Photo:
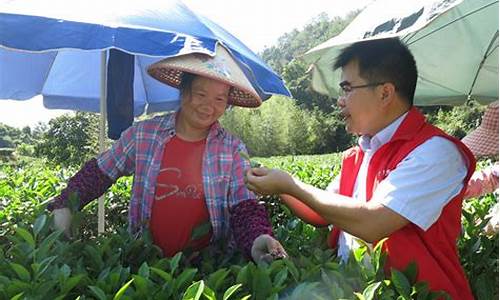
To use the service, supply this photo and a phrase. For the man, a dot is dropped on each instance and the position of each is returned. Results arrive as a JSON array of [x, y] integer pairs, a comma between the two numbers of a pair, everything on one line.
[[405, 179]]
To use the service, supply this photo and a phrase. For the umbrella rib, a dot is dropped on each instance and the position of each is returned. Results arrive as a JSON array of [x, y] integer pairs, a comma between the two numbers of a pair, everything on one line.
[[408, 37], [485, 56], [201, 21], [438, 84], [453, 21], [47, 73]]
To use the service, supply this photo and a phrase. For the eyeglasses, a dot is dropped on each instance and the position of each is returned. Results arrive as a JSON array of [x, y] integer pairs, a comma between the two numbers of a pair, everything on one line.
[[346, 88]]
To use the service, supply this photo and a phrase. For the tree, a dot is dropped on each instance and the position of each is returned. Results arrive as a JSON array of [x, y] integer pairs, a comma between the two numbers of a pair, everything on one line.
[[70, 140], [10, 137], [281, 127], [285, 58], [458, 120]]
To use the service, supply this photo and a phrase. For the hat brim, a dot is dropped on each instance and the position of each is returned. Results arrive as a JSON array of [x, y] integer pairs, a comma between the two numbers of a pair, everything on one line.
[[222, 68], [482, 142]]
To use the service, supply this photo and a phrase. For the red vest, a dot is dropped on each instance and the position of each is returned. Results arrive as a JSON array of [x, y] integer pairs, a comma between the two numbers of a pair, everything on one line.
[[434, 250]]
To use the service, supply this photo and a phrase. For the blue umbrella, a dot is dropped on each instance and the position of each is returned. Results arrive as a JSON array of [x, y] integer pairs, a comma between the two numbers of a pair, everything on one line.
[[65, 51], [81, 56]]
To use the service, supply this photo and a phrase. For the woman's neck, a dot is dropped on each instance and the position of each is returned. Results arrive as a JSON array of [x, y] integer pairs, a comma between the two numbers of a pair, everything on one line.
[[188, 132]]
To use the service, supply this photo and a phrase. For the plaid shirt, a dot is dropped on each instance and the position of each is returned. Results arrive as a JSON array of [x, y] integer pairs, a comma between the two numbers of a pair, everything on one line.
[[139, 151]]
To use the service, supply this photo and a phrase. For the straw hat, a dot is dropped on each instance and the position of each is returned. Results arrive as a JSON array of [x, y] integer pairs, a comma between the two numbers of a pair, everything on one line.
[[483, 141], [221, 67]]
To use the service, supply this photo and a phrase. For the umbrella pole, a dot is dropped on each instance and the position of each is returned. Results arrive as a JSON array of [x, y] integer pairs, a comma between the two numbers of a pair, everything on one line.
[[102, 135]]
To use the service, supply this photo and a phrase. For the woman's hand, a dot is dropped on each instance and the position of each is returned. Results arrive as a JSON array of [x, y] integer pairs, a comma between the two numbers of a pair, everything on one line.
[[62, 220], [266, 249]]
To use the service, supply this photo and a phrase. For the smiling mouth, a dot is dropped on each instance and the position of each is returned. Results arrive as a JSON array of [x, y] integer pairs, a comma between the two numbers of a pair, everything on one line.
[[204, 115]]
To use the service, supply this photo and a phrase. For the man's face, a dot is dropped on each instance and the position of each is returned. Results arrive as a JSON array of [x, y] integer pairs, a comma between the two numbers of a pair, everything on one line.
[[360, 107], [205, 102]]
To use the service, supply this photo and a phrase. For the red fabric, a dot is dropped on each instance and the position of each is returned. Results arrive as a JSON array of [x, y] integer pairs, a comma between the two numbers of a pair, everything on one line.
[[304, 212], [249, 220], [434, 250], [179, 204]]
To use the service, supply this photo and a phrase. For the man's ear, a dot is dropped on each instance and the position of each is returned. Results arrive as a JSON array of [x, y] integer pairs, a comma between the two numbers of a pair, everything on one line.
[[388, 92]]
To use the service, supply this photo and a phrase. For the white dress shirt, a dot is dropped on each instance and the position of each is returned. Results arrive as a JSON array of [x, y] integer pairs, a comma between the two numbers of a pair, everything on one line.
[[418, 189]]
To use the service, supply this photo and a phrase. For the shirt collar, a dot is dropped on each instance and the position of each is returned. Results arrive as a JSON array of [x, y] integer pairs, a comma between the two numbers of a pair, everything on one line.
[[367, 143]]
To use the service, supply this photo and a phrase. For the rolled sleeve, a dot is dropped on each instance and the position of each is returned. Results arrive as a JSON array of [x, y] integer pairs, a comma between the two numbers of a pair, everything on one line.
[[424, 182]]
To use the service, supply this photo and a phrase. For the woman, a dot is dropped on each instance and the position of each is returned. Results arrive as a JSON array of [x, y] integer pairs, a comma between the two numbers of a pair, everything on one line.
[[483, 142], [188, 173]]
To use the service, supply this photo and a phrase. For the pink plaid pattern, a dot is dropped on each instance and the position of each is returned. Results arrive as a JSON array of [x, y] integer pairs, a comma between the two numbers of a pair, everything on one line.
[[483, 141], [139, 151]]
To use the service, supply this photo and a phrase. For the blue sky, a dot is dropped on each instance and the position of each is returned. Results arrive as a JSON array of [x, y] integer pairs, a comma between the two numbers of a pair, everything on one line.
[[258, 23]]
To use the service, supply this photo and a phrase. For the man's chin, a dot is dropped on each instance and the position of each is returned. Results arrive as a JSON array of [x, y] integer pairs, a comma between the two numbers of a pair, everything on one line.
[[347, 125]]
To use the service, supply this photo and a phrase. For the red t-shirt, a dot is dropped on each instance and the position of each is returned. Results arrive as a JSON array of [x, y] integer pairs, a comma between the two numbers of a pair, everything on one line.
[[179, 214]]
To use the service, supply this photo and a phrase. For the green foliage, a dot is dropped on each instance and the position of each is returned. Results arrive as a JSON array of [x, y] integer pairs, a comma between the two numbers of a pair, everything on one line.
[[15, 142], [458, 120], [311, 124], [70, 140], [478, 251], [280, 127], [295, 43], [37, 262], [10, 136]]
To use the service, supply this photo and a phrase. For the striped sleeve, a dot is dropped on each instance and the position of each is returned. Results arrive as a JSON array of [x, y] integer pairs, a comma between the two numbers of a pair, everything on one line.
[[237, 190], [119, 160]]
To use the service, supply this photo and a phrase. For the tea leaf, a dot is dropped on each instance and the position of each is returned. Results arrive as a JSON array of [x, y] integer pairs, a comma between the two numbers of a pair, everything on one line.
[[174, 262], [230, 291], [369, 292], [69, 284], [98, 292], [21, 271], [164, 275], [185, 278], [26, 236], [39, 223], [18, 296], [122, 290], [401, 283], [194, 291]]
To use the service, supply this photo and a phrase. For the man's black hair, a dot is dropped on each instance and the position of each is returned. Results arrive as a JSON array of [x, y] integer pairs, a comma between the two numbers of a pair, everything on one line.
[[383, 60]]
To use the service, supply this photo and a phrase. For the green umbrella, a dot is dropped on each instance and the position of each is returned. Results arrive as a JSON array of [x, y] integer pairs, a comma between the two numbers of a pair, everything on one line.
[[455, 44]]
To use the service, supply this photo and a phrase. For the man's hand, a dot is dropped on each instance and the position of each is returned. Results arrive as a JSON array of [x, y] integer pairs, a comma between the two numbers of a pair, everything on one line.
[[62, 220], [266, 249], [266, 181]]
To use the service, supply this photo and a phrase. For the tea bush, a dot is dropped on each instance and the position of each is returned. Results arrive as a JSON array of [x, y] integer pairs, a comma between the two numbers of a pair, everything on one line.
[[37, 262]]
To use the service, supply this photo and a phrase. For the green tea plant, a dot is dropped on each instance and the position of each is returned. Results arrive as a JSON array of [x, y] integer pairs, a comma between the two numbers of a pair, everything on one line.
[[37, 262]]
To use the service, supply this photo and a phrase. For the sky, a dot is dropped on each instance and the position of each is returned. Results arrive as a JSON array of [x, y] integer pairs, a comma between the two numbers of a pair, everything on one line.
[[257, 23]]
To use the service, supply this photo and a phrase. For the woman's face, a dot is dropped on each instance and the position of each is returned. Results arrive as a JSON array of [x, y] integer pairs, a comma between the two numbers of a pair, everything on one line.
[[205, 102]]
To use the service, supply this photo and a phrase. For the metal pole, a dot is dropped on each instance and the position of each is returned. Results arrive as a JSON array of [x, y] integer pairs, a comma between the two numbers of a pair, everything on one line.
[[102, 136]]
